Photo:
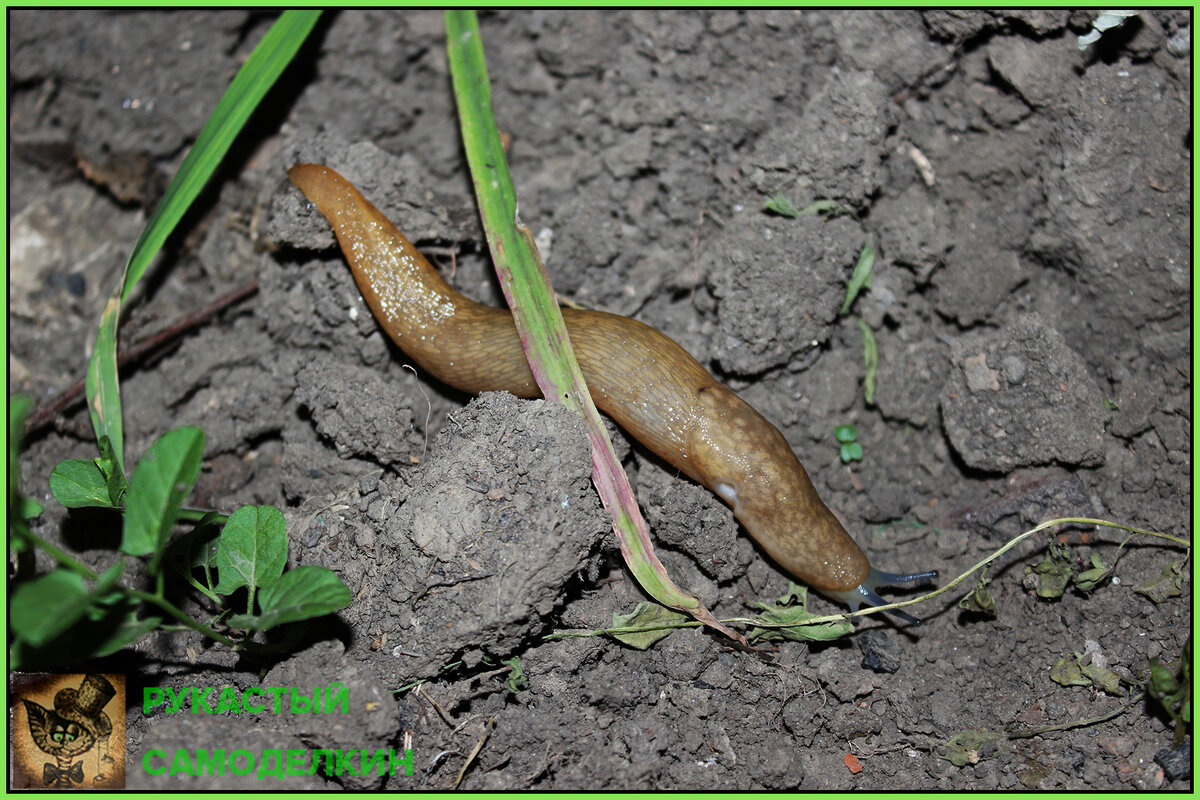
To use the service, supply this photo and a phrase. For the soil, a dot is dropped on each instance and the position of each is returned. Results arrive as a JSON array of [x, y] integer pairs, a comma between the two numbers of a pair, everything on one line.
[[1031, 301]]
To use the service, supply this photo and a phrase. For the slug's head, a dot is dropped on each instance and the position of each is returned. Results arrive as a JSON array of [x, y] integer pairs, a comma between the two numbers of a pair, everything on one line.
[[864, 594]]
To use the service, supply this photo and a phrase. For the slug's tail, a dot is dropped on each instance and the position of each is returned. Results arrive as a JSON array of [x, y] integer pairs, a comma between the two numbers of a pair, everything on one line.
[[864, 594]]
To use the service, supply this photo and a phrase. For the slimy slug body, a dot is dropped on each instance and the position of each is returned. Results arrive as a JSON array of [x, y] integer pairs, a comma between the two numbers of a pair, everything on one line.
[[638, 376]]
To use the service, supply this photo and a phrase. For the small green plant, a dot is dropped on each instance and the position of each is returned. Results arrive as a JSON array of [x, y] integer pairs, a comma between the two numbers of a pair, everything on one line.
[[516, 680], [870, 362], [247, 550], [791, 609], [980, 599], [1076, 670], [847, 436], [783, 207], [74, 612], [860, 278], [646, 625], [1059, 569], [1172, 689], [1054, 571]]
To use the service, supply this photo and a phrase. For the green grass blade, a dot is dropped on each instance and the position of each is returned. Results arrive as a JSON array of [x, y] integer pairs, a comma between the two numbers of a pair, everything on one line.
[[870, 361], [249, 86], [861, 277], [538, 318]]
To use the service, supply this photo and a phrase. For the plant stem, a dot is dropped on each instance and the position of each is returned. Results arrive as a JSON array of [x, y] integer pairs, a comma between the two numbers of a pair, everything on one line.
[[168, 607], [197, 514], [61, 556], [1028, 732]]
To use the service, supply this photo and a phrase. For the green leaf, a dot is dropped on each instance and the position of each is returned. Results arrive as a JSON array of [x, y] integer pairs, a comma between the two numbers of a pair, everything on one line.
[[28, 508], [130, 630], [781, 205], [79, 483], [298, 594], [845, 434], [1104, 678], [201, 543], [1163, 683], [164, 478], [827, 208], [256, 76], [1090, 579], [536, 314], [870, 362], [1071, 671], [851, 452], [107, 626], [1169, 584], [1054, 571], [792, 610], [980, 600], [796, 593], [252, 549], [114, 478], [860, 278], [18, 409], [1066, 672], [652, 621], [46, 606], [515, 682]]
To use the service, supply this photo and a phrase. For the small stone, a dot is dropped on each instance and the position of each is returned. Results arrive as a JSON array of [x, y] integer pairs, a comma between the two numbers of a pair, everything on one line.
[[979, 376], [1176, 761], [1119, 746], [1014, 369], [880, 652], [1055, 414]]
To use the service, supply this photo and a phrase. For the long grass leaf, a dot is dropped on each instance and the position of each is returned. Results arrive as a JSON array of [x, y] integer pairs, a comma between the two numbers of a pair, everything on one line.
[[537, 315], [860, 278], [249, 86]]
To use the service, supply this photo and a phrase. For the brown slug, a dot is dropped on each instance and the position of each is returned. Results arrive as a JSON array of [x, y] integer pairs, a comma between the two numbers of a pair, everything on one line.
[[643, 379]]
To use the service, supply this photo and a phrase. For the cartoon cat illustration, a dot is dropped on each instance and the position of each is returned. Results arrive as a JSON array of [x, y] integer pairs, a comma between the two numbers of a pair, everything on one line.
[[71, 729]]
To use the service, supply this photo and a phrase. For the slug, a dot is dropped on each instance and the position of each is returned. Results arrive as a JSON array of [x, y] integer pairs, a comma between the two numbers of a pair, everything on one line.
[[638, 376]]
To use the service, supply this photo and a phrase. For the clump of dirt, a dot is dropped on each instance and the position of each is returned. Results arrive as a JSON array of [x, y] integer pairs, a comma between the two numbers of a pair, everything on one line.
[[1030, 304], [1037, 404]]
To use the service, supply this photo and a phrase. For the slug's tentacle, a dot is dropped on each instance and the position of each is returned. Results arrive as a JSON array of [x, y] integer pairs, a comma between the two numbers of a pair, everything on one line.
[[864, 594], [640, 377]]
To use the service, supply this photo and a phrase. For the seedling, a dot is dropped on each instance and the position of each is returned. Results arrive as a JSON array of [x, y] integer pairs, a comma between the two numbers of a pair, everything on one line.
[[870, 362], [860, 278], [248, 550], [1173, 690], [516, 680], [847, 436], [783, 207]]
